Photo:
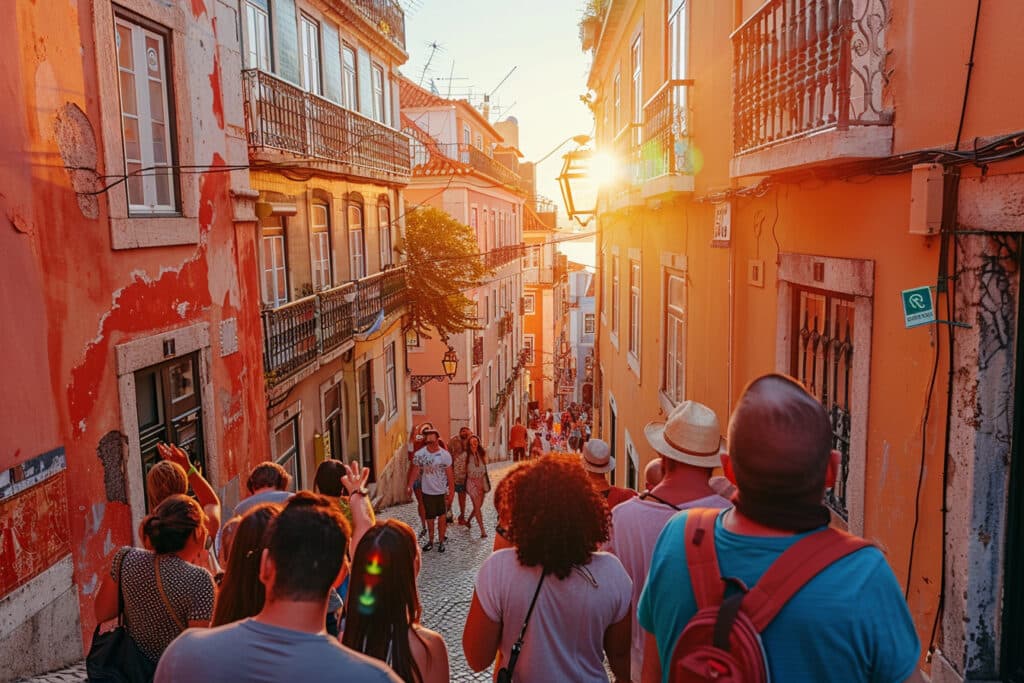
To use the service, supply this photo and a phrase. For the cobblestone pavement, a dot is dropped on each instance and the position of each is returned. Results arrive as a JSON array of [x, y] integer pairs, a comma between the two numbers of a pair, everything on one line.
[[446, 585]]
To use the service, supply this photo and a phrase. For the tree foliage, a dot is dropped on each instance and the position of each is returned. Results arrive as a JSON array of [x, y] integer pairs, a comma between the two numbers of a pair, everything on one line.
[[444, 262]]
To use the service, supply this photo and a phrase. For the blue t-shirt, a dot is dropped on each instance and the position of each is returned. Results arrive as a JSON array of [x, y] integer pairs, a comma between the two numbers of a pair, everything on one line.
[[849, 623]]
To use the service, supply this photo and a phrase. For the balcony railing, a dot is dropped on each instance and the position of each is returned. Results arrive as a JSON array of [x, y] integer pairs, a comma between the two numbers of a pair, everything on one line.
[[627, 152], [281, 116], [470, 155], [387, 16], [499, 256], [666, 132], [295, 334], [803, 66]]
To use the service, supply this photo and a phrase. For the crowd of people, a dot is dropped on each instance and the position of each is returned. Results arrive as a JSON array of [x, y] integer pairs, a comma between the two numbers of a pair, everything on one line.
[[585, 577]]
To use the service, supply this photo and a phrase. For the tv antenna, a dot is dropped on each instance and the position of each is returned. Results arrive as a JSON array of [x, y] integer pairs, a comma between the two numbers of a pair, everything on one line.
[[434, 48]]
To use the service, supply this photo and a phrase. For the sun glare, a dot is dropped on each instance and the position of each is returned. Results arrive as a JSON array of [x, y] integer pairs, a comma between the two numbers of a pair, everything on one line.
[[604, 169]]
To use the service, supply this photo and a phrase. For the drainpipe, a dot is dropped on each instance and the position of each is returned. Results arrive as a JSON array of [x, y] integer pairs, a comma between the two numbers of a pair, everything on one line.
[[732, 307]]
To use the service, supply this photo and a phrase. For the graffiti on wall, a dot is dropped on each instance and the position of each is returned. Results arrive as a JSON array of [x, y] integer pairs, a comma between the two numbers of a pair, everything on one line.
[[34, 532]]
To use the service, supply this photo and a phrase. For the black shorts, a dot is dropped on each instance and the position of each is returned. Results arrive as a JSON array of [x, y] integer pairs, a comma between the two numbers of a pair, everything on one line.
[[434, 506]]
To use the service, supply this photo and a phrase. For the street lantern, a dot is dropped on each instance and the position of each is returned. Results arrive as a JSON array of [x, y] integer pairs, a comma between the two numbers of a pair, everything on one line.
[[450, 363], [585, 172]]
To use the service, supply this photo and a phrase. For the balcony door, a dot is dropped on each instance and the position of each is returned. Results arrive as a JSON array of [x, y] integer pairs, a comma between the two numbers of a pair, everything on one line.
[[275, 266], [309, 34], [257, 35], [356, 242], [364, 378], [334, 419], [320, 236]]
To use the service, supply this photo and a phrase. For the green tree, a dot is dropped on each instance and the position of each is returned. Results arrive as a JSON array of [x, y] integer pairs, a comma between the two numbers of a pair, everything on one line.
[[444, 262]]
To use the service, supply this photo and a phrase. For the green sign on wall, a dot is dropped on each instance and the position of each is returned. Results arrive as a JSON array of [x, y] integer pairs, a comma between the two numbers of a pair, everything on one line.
[[918, 307]]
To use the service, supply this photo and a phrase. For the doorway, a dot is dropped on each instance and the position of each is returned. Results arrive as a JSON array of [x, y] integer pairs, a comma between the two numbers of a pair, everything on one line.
[[1013, 575], [334, 415], [364, 379], [170, 410]]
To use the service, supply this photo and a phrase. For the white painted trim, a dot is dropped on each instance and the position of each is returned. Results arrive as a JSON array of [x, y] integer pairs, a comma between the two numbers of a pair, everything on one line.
[[830, 146], [25, 601], [143, 353], [853, 277]]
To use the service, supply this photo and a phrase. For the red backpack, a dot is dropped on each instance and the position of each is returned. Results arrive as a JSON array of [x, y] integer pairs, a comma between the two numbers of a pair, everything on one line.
[[722, 642]]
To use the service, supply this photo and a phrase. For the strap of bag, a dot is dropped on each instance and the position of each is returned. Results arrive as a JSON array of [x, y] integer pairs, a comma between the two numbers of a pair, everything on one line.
[[804, 560], [163, 596], [517, 647], [647, 494], [701, 558], [120, 589]]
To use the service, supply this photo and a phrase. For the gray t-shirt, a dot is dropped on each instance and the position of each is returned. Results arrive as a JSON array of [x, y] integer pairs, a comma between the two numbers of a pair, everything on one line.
[[249, 651], [265, 497]]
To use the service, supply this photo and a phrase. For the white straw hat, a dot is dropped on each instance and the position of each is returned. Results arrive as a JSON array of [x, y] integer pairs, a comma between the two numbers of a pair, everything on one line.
[[597, 457], [692, 435]]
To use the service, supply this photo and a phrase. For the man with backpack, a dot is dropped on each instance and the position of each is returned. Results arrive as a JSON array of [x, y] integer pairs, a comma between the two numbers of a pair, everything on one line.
[[765, 587], [689, 444]]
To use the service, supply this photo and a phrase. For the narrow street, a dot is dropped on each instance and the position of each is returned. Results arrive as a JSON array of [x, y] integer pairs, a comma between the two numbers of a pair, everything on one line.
[[446, 586]]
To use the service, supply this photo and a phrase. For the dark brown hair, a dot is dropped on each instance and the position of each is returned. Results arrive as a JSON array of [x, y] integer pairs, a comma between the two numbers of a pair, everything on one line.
[[169, 526], [241, 592], [328, 478], [383, 601], [268, 474], [557, 519], [307, 543]]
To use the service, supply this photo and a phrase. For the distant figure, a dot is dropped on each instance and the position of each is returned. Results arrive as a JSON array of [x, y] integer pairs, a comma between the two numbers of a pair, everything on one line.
[[598, 462], [268, 483], [517, 440], [652, 474]]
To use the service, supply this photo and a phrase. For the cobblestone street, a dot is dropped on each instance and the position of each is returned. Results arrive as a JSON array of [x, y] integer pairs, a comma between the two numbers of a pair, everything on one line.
[[446, 585]]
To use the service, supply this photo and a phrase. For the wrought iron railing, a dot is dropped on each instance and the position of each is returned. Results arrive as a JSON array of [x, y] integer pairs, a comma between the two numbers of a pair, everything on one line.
[[382, 292], [387, 16], [289, 337], [801, 66], [499, 256], [281, 116], [336, 315], [626, 145], [666, 134], [478, 350], [470, 155]]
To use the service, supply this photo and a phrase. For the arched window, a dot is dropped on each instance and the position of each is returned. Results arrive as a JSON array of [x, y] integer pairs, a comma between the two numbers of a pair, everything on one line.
[[384, 226], [320, 247], [356, 237]]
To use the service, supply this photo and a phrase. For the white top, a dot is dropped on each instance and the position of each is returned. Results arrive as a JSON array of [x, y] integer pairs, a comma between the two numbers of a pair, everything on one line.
[[636, 525], [433, 470], [565, 638]]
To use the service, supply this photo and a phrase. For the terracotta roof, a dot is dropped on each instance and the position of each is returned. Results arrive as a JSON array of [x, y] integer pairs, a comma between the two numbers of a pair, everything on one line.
[[438, 163], [413, 96]]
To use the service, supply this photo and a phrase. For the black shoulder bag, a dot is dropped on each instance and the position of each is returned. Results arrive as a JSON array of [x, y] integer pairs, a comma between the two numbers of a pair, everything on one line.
[[114, 657], [505, 673]]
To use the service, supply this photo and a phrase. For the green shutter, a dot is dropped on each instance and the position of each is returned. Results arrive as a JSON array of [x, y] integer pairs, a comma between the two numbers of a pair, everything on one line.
[[286, 40], [332, 63]]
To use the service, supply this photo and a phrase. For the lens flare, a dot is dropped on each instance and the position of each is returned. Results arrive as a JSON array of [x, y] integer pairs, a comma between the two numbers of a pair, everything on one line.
[[604, 169]]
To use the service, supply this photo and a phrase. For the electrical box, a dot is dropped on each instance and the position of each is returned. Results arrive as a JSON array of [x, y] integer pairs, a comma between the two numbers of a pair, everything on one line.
[[926, 199]]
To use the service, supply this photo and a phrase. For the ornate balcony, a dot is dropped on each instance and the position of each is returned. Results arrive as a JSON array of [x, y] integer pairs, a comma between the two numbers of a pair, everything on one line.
[[665, 157], [387, 16], [809, 69], [499, 256], [284, 118], [289, 338]]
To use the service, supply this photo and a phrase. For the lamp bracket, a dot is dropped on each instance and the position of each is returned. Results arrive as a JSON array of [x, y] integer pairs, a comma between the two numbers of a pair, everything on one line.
[[417, 381]]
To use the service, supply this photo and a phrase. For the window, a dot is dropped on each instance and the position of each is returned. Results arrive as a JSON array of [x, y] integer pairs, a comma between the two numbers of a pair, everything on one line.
[[349, 82], [384, 223], [615, 295], [334, 422], [390, 381], [529, 303], [356, 241], [320, 234], [310, 37], [588, 323], [479, 141], [412, 339], [146, 119], [467, 140], [673, 381], [416, 402], [379, 101], [634, 308], [528, 341], [492, 236], [632, 464], [275, 265], [257, 35], [636, 61], [677, 39], [286, 449], [617, 99]]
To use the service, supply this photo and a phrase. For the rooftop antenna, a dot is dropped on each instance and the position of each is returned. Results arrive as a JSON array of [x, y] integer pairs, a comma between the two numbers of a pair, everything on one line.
[[487, 97], [451, 75], [434, 47]]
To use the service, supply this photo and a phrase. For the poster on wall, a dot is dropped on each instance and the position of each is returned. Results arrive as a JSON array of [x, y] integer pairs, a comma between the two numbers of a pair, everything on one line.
[[721, 233]]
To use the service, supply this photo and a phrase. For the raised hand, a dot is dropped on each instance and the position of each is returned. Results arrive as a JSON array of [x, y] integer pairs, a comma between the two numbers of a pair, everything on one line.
[[355, 476], [173, 454]]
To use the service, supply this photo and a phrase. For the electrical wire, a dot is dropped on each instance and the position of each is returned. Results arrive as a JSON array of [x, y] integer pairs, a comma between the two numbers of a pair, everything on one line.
[[970, 71]]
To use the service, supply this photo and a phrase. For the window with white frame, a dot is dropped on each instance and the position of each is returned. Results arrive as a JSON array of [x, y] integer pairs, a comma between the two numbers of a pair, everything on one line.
[[614, 311], [617, 103], [416, 401], [384, 223], [678, 36], [528, 342], [634, 308], [379, 102], [529, 304], [320, 235], [390, 380], [275, 270], [146, 118], [479, 141], [636, 62], [257, 35], [309, 36], [673, 381], [588, 323], [286, 450], [349, 80], [356, 241]]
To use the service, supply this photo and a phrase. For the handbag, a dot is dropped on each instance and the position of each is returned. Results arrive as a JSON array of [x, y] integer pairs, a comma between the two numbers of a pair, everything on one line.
[[487, 482], [505, 673], [114, 657]]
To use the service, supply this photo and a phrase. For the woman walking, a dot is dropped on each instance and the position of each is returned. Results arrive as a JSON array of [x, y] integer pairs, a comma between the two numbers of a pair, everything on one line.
[[164, 592], [384, 606], [477, 481], [572, 600]]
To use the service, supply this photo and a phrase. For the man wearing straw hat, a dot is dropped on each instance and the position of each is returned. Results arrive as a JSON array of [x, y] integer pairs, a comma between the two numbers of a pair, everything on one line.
[[689, 445], [598, 461]]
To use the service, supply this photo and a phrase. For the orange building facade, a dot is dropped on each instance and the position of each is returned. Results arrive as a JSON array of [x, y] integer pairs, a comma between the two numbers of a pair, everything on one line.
[[787, 170], [540, 263], [464, 166]]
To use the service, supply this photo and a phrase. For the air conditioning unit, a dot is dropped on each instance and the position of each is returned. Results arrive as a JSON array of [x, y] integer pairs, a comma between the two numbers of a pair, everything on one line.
[[926, 199]]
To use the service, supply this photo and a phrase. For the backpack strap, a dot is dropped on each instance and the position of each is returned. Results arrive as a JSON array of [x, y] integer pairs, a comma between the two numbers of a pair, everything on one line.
[[701, 558], [804, 560]]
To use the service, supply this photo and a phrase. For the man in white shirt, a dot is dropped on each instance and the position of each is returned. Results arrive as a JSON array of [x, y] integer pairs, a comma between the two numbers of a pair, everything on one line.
[[690, 446], [432, 464]]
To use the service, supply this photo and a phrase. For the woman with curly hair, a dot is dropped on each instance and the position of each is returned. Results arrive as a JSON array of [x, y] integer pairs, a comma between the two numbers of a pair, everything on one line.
[[384, 612], [580, 597]]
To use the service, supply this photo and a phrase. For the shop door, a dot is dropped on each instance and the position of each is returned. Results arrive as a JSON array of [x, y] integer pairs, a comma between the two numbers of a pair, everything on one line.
[[169, 409], [364, 376]]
